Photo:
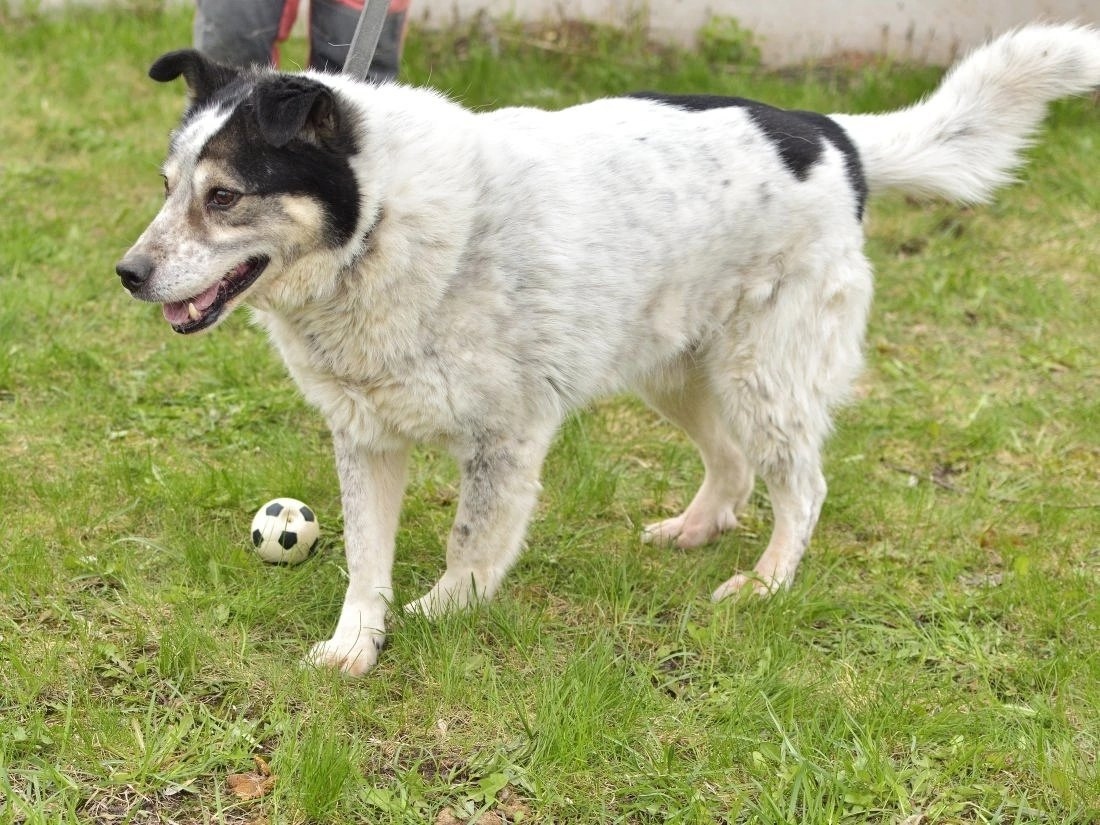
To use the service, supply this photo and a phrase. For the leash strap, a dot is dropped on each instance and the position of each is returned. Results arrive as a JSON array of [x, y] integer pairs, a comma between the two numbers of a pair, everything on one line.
[[364, 42]]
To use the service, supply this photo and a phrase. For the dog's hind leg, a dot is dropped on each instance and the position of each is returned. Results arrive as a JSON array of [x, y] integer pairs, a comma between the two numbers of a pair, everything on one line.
[[684, 396], [782, 434], [793, 357], [498, 489], [796, 488]]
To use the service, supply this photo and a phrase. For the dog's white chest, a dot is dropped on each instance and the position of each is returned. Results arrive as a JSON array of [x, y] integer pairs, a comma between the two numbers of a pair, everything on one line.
[[359, 390]]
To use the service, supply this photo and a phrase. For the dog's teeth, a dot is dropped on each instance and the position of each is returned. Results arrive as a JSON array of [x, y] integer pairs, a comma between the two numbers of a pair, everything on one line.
[[193, 313]]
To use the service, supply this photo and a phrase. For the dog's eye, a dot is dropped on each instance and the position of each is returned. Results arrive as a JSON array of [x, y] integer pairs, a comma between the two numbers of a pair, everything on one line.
[[167, 190], [222, 198]]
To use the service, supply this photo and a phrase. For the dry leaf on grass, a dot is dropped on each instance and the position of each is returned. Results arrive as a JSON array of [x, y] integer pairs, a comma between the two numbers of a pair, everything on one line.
[[447, 817], [506, 814], [512, 807], [254, 784]]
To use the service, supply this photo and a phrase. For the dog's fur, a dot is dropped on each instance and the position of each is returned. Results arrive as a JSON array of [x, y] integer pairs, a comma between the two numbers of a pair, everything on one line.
[[434, 275]]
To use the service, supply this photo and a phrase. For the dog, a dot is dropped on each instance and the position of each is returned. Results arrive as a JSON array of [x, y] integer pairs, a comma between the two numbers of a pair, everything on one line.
[[431, 274]]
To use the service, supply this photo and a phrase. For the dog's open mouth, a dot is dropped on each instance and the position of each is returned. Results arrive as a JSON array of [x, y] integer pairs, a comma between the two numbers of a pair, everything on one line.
[[204, 309]]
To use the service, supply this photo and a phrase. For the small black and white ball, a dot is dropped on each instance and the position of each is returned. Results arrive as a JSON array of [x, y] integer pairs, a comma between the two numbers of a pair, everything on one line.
[[285, 531]]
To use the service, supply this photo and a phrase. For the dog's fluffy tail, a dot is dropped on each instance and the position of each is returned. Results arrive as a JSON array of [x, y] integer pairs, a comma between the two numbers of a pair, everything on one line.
[[965, 139]]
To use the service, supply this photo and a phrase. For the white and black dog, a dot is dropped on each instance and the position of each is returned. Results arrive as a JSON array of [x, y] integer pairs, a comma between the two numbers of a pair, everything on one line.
[[430, 274]]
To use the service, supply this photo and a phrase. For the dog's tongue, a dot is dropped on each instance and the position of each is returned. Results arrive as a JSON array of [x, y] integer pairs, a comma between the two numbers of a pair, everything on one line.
[[176, 312]]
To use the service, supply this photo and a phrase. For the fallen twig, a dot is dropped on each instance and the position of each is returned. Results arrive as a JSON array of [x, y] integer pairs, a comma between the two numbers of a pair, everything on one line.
[[946, 485]]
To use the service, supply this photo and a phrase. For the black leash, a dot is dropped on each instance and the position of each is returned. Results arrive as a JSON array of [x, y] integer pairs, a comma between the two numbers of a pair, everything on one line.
[[364, 42]]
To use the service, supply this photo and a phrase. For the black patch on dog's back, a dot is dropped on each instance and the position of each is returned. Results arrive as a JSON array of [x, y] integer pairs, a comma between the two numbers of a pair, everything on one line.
[[796, 135]]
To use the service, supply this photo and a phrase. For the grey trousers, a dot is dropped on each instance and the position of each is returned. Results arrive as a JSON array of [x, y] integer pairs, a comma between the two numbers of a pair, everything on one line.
[[242, 32]]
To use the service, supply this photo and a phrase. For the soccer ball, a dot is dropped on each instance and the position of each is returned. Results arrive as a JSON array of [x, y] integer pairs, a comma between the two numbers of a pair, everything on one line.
[[285, 531]]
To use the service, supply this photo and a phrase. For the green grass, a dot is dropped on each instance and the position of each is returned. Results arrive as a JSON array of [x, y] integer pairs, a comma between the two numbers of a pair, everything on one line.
[[935, 661]]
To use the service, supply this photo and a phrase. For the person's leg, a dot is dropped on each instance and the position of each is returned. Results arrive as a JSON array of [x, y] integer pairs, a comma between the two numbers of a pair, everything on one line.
[[241, 32], [386, 64], [332, 24]]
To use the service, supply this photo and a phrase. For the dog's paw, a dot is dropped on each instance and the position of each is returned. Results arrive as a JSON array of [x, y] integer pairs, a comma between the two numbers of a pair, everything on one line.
[[690, 529], [351, 654], [425, 606], [454, 592], [746, 582], [437, 603]]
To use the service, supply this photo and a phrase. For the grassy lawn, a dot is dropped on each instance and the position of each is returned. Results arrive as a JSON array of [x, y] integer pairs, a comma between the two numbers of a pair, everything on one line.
[[937, 659]]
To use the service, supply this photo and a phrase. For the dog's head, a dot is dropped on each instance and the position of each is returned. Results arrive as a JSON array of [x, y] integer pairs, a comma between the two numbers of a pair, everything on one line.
[[258, 177]]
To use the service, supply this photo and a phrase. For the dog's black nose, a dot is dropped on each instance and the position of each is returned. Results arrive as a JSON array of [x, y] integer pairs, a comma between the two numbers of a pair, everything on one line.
[[134, 271]]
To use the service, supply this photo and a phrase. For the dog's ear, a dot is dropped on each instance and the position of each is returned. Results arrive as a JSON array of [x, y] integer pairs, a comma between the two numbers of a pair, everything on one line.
[[203, 76], [290, 106]]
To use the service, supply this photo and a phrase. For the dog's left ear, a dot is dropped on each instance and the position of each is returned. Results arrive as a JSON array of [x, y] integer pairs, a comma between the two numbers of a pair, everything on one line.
[[204, 77], [289, 107]]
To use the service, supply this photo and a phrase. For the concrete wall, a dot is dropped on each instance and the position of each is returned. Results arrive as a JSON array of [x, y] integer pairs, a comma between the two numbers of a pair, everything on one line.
[[788, 31], [792, 31]]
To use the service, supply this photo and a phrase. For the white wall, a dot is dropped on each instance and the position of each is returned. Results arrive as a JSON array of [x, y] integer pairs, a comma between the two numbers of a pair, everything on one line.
[[791, 31], [788, 31]]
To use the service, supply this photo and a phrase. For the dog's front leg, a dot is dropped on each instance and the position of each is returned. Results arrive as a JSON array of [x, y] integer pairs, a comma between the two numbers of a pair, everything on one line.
[[499, 488], [371, 485]]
